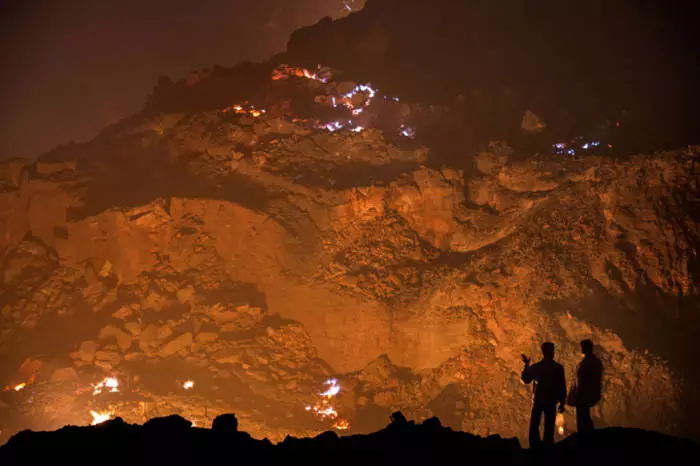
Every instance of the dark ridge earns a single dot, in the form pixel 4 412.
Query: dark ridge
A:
pixel 581 65
pixel 172 440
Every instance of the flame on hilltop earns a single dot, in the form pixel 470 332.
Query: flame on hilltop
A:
pixel 285 72
pixel 188 385
pixel 110 383
pixel 98 417
pixel 19 386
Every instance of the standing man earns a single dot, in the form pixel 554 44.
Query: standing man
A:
pixel 589 380
pixel 550 389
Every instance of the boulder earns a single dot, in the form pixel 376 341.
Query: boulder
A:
pixel 123 313
pixel 111 357
pixel 225 423
pixel 45 167
pixel 133 327
pixel 155 301
pixel 122 337
pixel 531 123
pixel 181 342
pixel 172 423
pixel 64 375
pixel 87 350
pixel 228 356
pixel 204 337
pixel 10 171
pixel 186 295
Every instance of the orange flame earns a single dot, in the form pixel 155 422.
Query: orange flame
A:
pixel 341 424
pixel 98 417
pixel 110 383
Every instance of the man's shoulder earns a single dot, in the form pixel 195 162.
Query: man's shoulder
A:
pixel 558 366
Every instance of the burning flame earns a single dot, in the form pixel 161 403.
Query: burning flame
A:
pixel 98 417
pixel 244 110
pixel 187 385
pixel 559 422
pixel 110 383
pixel 324 410
pixel 285 71
pixel 333 390
pixel 341 424
pixel 347 99
pixel 407 131
pixel 19 386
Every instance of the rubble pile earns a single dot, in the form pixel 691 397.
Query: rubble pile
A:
pixel 235 258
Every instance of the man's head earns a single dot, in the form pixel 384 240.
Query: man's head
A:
pixel 548 350
pixel 587 347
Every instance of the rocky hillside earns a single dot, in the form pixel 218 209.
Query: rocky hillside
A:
pixel 286 243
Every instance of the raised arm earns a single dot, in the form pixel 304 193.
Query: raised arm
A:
pixel 529 373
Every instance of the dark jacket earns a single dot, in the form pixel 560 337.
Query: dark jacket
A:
pixel 589 381
pixel 550 382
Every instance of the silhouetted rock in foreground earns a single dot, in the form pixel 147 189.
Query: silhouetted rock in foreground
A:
pixel 171 441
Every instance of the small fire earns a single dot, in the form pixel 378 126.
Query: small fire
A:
pixel 324 410
pixel 98 417
pixel 285 71
pixel 347 99
pixel 244 110
pixel 560 422
pixel 333 126
pixel 407 131
pixel 19 386
pixel 110 383
pixel 333 390
pixel 188 385
pixel 341 424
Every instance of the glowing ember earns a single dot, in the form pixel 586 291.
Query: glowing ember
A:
pixel 408 132
pixel 109 383
pixel 19 386
pixel 187 385
pixel 98 417
pixel 560 430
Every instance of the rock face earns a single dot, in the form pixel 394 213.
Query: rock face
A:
pixel 304 233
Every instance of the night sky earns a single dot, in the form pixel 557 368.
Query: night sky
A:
pixel 71 67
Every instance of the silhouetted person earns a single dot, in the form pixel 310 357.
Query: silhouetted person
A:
pixel 550 389
pixel 589 379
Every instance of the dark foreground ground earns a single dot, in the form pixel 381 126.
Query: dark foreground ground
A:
pixel 172 440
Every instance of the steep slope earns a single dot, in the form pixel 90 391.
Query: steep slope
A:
pixel 287 240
